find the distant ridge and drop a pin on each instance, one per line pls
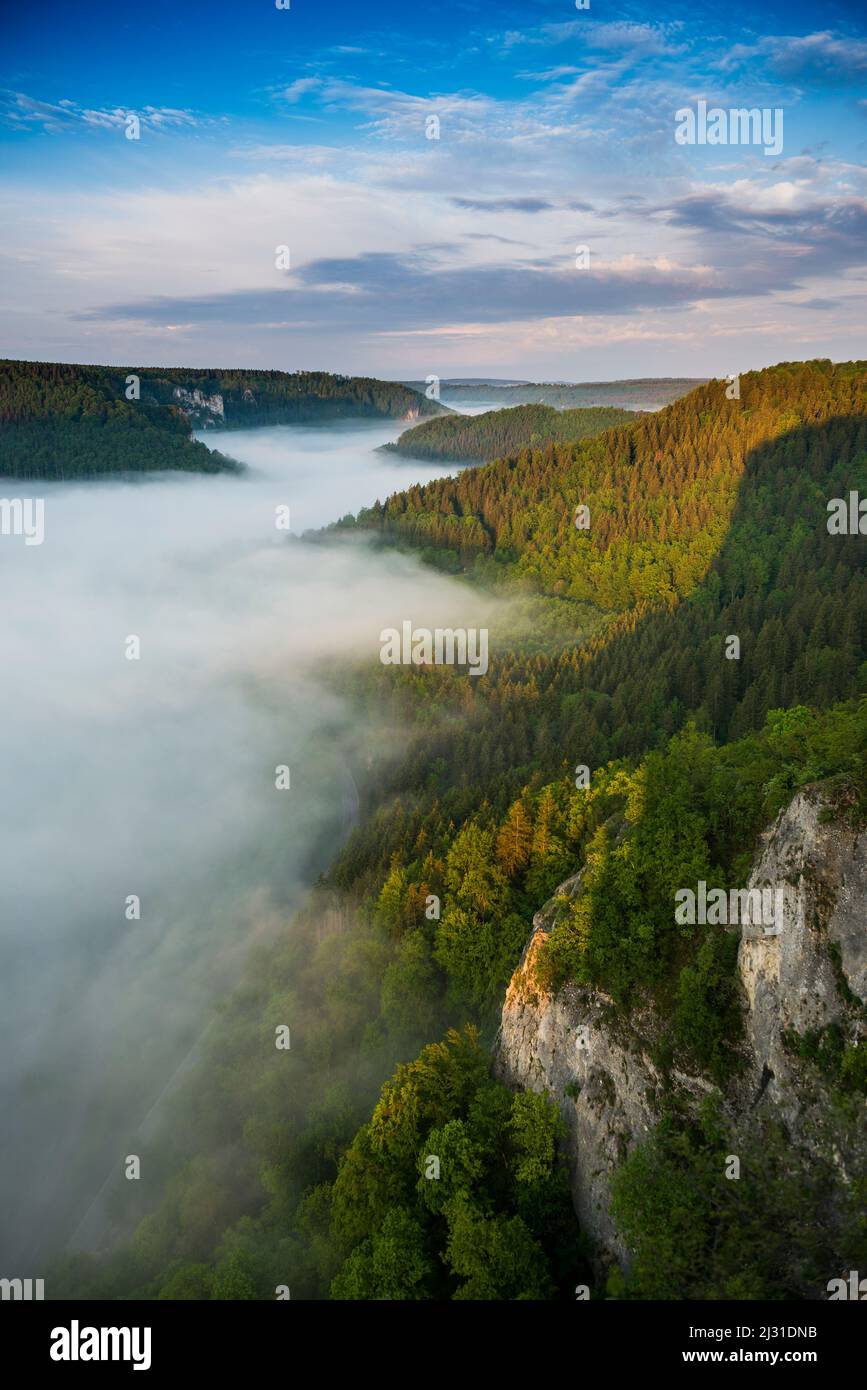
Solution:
(630, 393)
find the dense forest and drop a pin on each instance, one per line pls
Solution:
(59, 420)
(498, 433)
(311, 1168)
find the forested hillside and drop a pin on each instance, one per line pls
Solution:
(660, 494)
(498, 433)
(707, 522)
(59, 420)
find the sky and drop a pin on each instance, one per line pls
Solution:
(431, 171)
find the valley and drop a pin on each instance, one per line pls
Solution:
(707, 520)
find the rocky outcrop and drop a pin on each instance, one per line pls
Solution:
(810, 972)
(810, 976)
(203, 411)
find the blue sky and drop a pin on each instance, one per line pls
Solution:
(308, 128)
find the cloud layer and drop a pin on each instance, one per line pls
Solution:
(547, 136)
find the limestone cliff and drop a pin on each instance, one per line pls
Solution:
(202, 410)
(811, 975)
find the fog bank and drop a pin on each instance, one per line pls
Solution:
(155, 777)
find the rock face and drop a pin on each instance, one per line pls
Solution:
(810, 974)
(203, 411)
(793, 981)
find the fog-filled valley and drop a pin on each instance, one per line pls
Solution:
(149, 773)
(323, 954)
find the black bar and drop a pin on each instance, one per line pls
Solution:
(228, 1338)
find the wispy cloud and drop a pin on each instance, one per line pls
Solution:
(504, 204)
(823, 58)
(19, 109)
(301, 87)
(527, 205)
(622, 36)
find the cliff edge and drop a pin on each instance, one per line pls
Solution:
(802, 984)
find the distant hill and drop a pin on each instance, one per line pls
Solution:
(449, 381)
(640, 393)
(61, 420)
(499, 433)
